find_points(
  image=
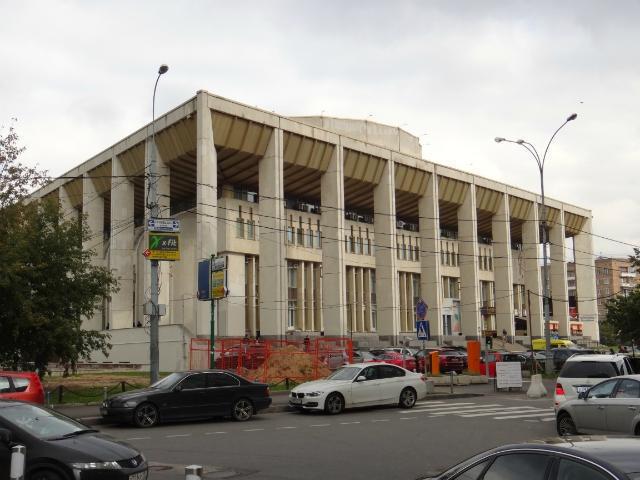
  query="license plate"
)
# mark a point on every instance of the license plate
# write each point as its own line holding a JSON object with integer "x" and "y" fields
{"x": 582, "y": 388}
{"x": 296, "y": 401}
{"x": 139, "y": 476}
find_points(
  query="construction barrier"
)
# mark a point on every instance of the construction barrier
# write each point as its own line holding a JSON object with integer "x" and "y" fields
{"x": 273, "y": 361}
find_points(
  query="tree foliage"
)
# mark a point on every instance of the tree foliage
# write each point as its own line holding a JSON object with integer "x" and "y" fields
{"x": 623, "y": 315}
{"x": 47, "y": 281}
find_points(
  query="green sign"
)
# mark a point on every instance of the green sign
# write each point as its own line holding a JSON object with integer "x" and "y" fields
{"x": 164, "y": 246}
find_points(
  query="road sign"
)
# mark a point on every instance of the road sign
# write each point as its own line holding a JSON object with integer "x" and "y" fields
{"x": 218, "y": 284}
{"x": 422, "y": 330}
{"x": 146, "y": 253}
{"x": 169, "y": 225}
{"x": 164, "y": 246}
{"x": 218, "y": 263}
{"x": 421, "y": 309}
{"x": 204, "y": 280}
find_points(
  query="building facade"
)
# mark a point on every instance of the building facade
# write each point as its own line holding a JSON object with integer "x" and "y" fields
{"x": 329, "y": 226}
{"x": 614, "y": 276}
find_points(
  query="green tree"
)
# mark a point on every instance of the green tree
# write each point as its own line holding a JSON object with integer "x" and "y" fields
{"x": 47, "y": 281}
{"x": 623, "y": 316}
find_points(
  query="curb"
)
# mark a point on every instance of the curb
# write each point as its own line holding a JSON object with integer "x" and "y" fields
{"x": 286, "y": 408}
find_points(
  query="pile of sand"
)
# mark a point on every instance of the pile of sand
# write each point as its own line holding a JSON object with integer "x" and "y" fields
{"x": 289, "y": 362}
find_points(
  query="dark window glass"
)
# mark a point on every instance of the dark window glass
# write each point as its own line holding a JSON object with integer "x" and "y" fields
{"x": 5, "y": 386}
{"x": 389, "y": 371}
{"x": 20, "y": 384}
{"x": 371, "y": 373}
{"x": 518, "y": 466}
{"x": 628, "y": 389}
{"x": 570, "y": 470}
{"x": 603, "y": 390}
{"x": 588, "y": 370}
{"x": 221, "y": 380}
{"x": 473, "y": 473}
{"x": 193, "y": 381}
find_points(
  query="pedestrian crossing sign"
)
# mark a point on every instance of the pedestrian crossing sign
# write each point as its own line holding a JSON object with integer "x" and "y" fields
{"x": 422, "y": 330}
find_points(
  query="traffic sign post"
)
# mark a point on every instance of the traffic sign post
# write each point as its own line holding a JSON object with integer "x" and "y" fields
{"x": 217, "y": 290}
{"x": 422, "y": 330}
{"x": 163, "y": 246}
{"x": 168, "y": 225}
{"x": 421, "y": 309}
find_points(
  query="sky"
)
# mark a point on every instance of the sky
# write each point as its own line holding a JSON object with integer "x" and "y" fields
{"x": 78, "y": 76}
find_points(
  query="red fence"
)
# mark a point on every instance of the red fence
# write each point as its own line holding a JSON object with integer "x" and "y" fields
{"x": 273, "y": 361}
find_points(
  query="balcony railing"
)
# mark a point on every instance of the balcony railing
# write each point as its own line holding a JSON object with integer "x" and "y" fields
{"x": 358, "y": 217}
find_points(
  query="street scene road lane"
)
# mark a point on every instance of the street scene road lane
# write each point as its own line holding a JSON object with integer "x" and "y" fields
{"x": 377, "y": 443}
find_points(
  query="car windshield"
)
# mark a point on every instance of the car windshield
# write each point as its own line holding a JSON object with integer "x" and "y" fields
{"x": 167, "y": 381}
{"x": 346, "y": 373}
{"x": 41, "y": 423}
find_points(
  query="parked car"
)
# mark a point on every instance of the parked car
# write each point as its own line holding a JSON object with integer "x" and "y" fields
{"x": 408, "y": 351}
{"x": 593, "y": 458}
{"x": 580, "y": 372}
{"x": 59, "y": 448}
{"x": 24, "y": 386}
{"x": 189, "y": 395}
{"x": 525, "y": 360}
{"x": 560, "y": 355}
{"x": 394, "y": 358}
{"x": 451, "y": 361}
{"x": 609, "y": 406}
{"x": 360, "y": 385}
{"x": 488, "y": 361}
{"x": 361, "y": 356}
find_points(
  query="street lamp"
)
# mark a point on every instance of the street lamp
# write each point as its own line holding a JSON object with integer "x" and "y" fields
{"x": 532, "y": 150}
{"x": 154, "y": 212}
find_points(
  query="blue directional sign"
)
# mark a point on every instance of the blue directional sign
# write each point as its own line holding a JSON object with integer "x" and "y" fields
{"x": 421, "y": 309}
{"x": 422, "y": 330}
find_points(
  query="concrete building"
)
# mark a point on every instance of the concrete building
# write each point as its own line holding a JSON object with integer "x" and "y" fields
{"x": 330, "y": 226}
{"x": 614, "y": 276}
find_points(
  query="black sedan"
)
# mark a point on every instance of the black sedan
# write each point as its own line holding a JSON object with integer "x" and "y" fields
{"x": 189, "y": 395}
{"x": 59, "y": 448}
{"x": 566, "y": 458}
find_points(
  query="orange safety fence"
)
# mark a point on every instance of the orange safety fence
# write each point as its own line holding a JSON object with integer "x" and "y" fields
{"x": 274, "y": 361}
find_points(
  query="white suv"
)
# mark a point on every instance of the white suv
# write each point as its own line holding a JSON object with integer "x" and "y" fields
{"x": 581, "y": 371}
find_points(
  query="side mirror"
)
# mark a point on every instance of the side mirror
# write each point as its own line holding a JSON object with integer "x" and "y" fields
{"x": 583, "y": 395}
{"x": 178, "y": 388}
{"x": 5, "y": 436}
{"x": 361, "y": 378}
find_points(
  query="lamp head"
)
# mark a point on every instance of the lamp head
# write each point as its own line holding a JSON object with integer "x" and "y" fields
{"x": 163, "y": 69}
{"x": 573, "y": 116}
{"x": 520, "y": 141}
{"x": 499, "y": 139}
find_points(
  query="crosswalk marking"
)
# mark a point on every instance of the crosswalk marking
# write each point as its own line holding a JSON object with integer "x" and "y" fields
{"x": 461, "y": 408}
{"x": 429, "y": 402}
{"x": 514, "y": 411}
{"x": 439, "y": 409}
{"x": 480, "y": 410}
{"x": 525, "y": 415}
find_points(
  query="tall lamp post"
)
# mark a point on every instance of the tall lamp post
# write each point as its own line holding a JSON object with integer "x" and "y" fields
{"x": 154, "y": 212}
{"x": 540, "y": 161}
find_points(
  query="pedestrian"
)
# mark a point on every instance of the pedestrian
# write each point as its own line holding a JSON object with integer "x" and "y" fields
{"x": 504, "y": 335}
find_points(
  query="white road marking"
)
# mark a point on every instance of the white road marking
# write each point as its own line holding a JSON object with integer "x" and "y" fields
{"x": 137, "y": 438}
{"x": 447, "y": 405}
{"x": 253, "y": 430}
{"x": 178, "y": 435}
{"x": 515, "y": 410}
{"x": 452, "y": 409}
{"x": 321, "y": 425}
{"x": 430, "y": 402}
{"x": 348, "y": 423}
{"x": 285, "y": 428}
{"x": 408, "y": 418}
{"x": 214, "y": 433}
{"x": 382, "y": 420}
{"x": 523, "y": 416}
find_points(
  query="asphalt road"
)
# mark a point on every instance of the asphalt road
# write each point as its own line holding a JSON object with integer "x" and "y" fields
{"x": 382, "y": 443}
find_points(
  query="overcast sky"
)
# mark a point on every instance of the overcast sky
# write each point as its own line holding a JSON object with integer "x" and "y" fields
{"x": 79, "y": 76}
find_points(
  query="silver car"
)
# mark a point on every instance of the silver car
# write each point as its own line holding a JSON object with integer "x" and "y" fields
{"x": 612, "y": 405}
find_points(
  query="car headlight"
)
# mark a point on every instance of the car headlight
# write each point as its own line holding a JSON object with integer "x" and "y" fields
{"x": 129, "y": 403}
{"x": 95, "y": 466}
{"x": 314, "y": 394}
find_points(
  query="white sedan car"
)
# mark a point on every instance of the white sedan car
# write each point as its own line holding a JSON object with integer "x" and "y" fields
{"x": 360, "y": 385}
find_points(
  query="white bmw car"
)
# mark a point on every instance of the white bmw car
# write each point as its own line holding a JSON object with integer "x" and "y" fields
{"x": 360, "y": 385}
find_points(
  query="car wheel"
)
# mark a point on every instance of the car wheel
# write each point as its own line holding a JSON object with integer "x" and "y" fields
{"x": 408, "y": 398}
{"x": 45, "y": 474}
{"x": 242, "y": 410}
{"x": 334, "y": 404}
{"x": 565, "y": 425}
{"x": 146, "y": 415}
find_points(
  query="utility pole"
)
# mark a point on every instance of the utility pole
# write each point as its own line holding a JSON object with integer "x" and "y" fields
{"x": 154, "y": 212}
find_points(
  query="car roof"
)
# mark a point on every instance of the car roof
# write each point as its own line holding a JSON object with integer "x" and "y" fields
{"x": 367, "y": 364}
{"x": 596, "y": 357}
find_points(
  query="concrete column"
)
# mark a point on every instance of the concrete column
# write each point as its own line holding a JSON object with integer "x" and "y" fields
{"x": 586, "y": 281}
{"x": 402, "y": 279}
{"x": 231, "y": 312}
{"x": 351, "y": 298}
{"x": 384, "y": 206}
{"x": 121, "y": 256}
{"x": 333, "y": 268}
{"x": 430, "y": 279}
{"x": 309, "y": 284}
{"x": 318, "y": 315}
{"x": 273, "y": 264}
{"x": 300, "y": 310}
{"x": 532, "y": 277}
{"x": 366, "y": 294}
{"x": 359, "y": 301}
{"x": 469, "y": 279}
{"x": 206, "y": 198}
{"x": 67, "y": 210}
{"x": 558, "y": 275}
{"x": 503, "y": 268}
{"x": 93, "y": 208}
{"x": 250, "y": 319}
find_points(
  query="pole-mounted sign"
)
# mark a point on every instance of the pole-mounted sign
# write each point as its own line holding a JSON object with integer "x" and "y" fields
{"x": 163, "y": 246}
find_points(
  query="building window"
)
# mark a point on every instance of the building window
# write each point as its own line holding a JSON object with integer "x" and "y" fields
{"x": 292, "y": 293}
{"x": 251, "y": 230}
{"x": 239, "y": 228}
{"x": 374, "y": 302}
{"x": 300, "y": 239}
{"x": 290, "y": 235}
